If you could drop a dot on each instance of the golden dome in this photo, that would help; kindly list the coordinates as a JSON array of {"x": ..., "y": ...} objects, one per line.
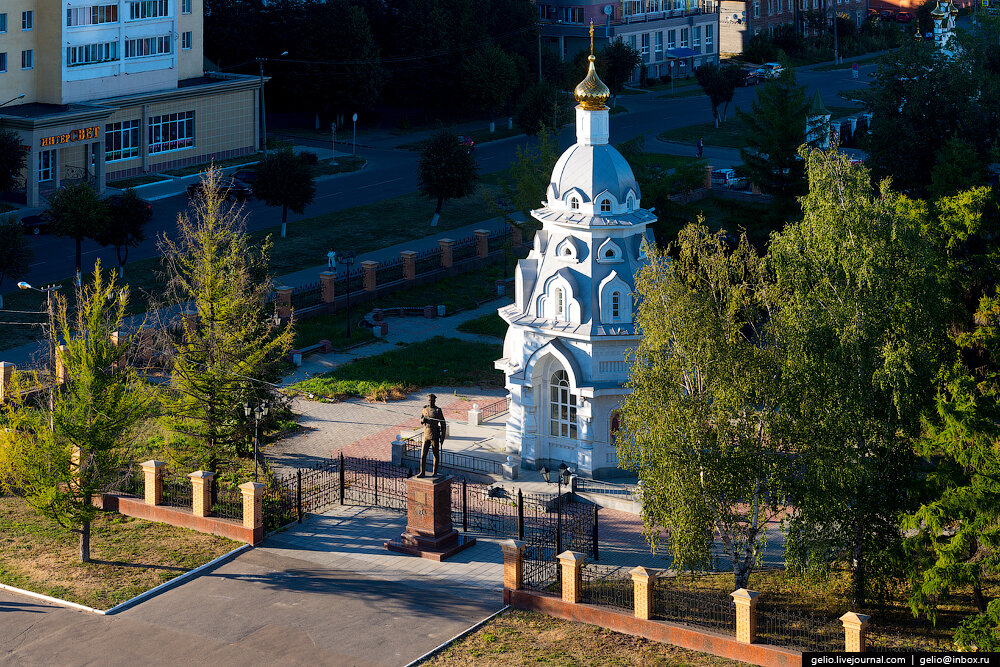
[
  {"x": 939, "y": 11},
  {"x": 591, "y": 93}
]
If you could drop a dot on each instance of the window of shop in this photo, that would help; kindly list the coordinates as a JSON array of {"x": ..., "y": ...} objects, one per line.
[
  {"x": 89, "y": 54},
  {"x": 121, "y": 140},
  {"x": 91, "y": 15},
  {"x": 27, "y": 20},
  {"x": 186, "y": 40},
  {"x": 148, "y": 9},
  {"x": 148, "y": 46},
  {"x": 562, "y": 406},
  {"x": 45, "y": 161},
  {"x": 185, "y": 6},
  {"x": 171, "y": 132},
  {"x": 27, "y": 59}
]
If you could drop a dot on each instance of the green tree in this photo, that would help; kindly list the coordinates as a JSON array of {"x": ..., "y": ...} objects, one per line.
[
  {"x": 61, "y": 469},
  {"x": 490, "y": 77},
  {"x": 861, "y": 327},
  {"x": 719, "y": 83},
  {"x": 287, "y": 180},
  {"x": 540, "y": 105},
  {"x": 16, "y": 256},
  {"x": 774, "y": 132},
  {"x": 705, "y": 395},
  {"x": 957, "y": 168},
  {"x": 12, "y": 157},
  {"x": 531, "y": 170},
  {"x": 618, "y": 60},
  {"x": 128, "y": 215},
  {"x": 446, "y": 170},
  {"x": 228, "y": 345},
  {"x": 75, "y": 211}
]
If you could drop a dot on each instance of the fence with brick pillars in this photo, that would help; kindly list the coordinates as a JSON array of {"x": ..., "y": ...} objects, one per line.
[
  {"x": 370, "y": 269},
  {"x": 61, "y": 353},
  {"x": 253, "y": 505},
  {"x": 708, "y": 177},
  {"x": 152, "y": 474},
  {"x": 447, "y": 252},
  {"x": 284, "y": 301},
  {"x": 571, "y": 563},
  {"x": 746, "y": 615},
  {"x": 513, "y": 564},
  {"x": 328, "y": 291},
  {"x": 482, "y": 243},
  {"x": 201, "y": 492},
  {"x": 515, "y": 236},
  {"x": 409, "y": 264},
  {"x": 643, "y": 580},
  {"x": 854, "y": 631}
]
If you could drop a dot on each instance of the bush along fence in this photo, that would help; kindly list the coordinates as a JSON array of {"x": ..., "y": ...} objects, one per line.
[{"x": 647, "y": 603}]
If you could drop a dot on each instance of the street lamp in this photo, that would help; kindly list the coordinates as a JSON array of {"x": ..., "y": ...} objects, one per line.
[
  {"x": 258, "y": 412},
  {"x": 13, "y": 99},
  {"x": 562, "y": 478},
  {"x": 48, "y": 291},
  {"x": 263, "y": 106},
  {"x": 349, "y": 260}
]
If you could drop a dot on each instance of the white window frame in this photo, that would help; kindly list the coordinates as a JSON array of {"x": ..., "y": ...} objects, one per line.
[
  {"x": 91, "y": 15},
  {"x": 574, "y": 203},
  {"x": 28, "y": 59},
  {"x": 696, "y": 37},
  {"x": 170, "y": 132},
  {"x": 709, "y": 37},
  {"x": 186, "y": 40},
  {"x": 185, "y": 6},
  {"x": 121, "y": 140},
  {"x": 46, "y": 165},
  {"x": 140, "y": 10},
  {"x": 3, "y": 22},
  {"x": 27, "y": 20},
  {"x": 562, "y": 406},
  {"x": 658, "y": 42},
  {"x": 89, "y": 54},
  {"x": 684, "y": 38},
  {"x": 644, "y": 50},
  {"x": 148, "y": 47},
  {"x": 671, "y": 39},
  {"x": 605, "y": 205},
  {"x": 3, "y": 61}
]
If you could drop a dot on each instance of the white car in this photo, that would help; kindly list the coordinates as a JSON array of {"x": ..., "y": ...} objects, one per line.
[
  {"x": 728, "y": 178},
  {"x": 770, "y": 70}
]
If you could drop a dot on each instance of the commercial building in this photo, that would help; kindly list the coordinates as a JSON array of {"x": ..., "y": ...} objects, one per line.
[
  {"x": 673, "y": 36},
  {"x": 739, "y": 20},
  {"x": 106, "y": 89}
]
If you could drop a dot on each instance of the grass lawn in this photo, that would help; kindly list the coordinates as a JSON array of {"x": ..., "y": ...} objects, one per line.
[
  {"x": 863, "y": 61},
  {"x": 332, "y": 327},
  {"x": 483, "y": 136},
  {"x": 521, "y": 638},
  {"x": 463, "y": 291},
  {"x": 486, "y": 325},
  {"x": 130, "y": 556},
  {"x": 618, "y": 108},
  {"x": 136, "y": 181},
  {"x": 681, "y": 92},
  {"x": 396, "y": 373},
  {"x": 730, "y": 134},
  {"x": 667, "y": 161},
  {"x": 344, "y": 164}
]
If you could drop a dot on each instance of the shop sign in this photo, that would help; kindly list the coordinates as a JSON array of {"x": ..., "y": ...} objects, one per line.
[{"x": 76, "y": 135}]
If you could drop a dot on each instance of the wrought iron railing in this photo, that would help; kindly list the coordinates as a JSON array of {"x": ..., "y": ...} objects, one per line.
[
  {"x": 703, "y": 608},
  {"x": 177, "y": 491},
  {"x": 607, "y": 585},
  {"x": 798, "y": 630},
  {"x": 496, "y": 408},
  {"x": 451, "y": 460},
  {"x": 883, "y": 640},
  {"x": 228, "y": 502},
  {"x": 586, "y": 485}
]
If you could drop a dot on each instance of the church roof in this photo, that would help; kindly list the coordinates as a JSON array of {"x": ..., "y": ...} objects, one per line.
[
  {"x": 593, "y": 169},
  {"x": 817, "y": 108},
  {"x": 638, "y": 216}
]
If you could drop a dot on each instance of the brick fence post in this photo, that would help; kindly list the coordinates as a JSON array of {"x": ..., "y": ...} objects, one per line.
[
  {"x": 854, "y": 631},
  {"x": 327, "y": 286},
  {"x": 482, "y": 243},
  {"x": 409, "y": 264},
  {"x": 746, "y": 615},
  {"x": 513, "y": 564},
  {"x": 643, "y": 580},
  {"x": 447, "y": 252},
  {"x": 61, "y": 364},
  {"x": 571, "y": 563},
  {"x": 515, "y": 236},
  {"x": 6, "y": 375},
  {"x": 708, "y": 177},
  {"x": 253, "y": 508},
  {"x": 152, "y": 474},
  {"x": 201, "y": 492},
  {"x": 369, "y": 267},
  {"x": 284, "y": 293}
]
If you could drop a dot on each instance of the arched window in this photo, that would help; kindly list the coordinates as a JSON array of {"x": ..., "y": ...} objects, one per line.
[
  {"x": 560, "y": 303},
  {"x": 605, "y": 206},
  {"x": 574, "y": 203},
  {"x": 616, "y": 305},
  {"x": 630, "y": 204},
  {"x": 562, "y": 406}
]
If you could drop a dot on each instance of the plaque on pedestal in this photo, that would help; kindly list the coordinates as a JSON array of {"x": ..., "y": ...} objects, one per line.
[{"x": 429, "y": 533}]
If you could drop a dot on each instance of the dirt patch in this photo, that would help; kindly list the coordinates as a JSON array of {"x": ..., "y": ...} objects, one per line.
[
  {"x": 520, "y": 638},
  {"x": 129, "y": 555}
]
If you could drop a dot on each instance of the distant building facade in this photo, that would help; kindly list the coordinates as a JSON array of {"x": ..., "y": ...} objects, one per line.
[
  {"x": 105, "y": 89},
  {"x": 739, "y": 20},
  {"x": 673, "y": 36}
]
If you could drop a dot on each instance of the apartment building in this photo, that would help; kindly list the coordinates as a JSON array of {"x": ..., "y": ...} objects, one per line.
[
  {"x": 673, "y": 36},
  {"x": 739, "y": 20},
  {"x": 107, "y": 89}
]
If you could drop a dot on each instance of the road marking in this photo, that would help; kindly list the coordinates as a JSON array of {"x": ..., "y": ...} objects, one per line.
[
  {"x": 332, "y": 194},
  {"x": 35, "y": 264},
  {"x": 391, "y": 180},
  {"x": 89, "y": 252}
]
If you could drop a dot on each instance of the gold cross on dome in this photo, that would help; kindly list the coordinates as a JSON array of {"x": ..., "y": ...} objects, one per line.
[{"x": 591, "y": 36}]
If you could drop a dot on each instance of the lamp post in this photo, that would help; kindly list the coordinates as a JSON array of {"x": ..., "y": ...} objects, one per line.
[
  {"x": 263, "y": 106},
  {"x": 333, "y": 133},
  {"x": 349, "y": 260},
  {"x": 562, "y": 478},
  {"x": 258, "y": 412},
  {"x": 48, "y": 291},
  {"x": 13, "y": 99},
  {"x": 354, "y": 147}
]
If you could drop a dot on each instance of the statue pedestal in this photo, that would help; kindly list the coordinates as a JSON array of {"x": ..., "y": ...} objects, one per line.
[{"x": 429, "y": 533}]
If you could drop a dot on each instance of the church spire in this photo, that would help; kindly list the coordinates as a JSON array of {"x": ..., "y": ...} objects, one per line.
[{"x": 592, "y": 112}]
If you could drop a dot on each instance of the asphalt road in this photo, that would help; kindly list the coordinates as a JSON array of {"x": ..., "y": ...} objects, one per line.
[{"x": 392, "y": 172}]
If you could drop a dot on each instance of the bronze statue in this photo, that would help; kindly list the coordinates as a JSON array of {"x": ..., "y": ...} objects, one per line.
[{"x": 434, "y": 432}]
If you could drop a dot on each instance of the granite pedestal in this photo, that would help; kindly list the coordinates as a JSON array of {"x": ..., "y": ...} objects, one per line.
[{"x": 429, "y": 532}]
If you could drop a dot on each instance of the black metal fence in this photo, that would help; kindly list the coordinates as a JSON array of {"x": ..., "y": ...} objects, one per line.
[
  {"x": 495, "y": 408},
  {"x": 798, "y": 630},
  {"x": 607, "y": 585},
  {"x": 177, "y": 491},
  {"x": 228, "y": 502},
  {"x": 585, "y": 485},
  {"x": 882, "y": 640},
  {"x": 708, "y": 609},
  {"x": 451, "y": 460}
]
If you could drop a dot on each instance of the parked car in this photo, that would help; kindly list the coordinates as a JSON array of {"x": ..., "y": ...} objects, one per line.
[
  {"x": 33, "y": 224},
  {"x": 749, "y": 77},
  {"x": 467, "y": 141},
  {"x": 228, "y": 187},
  {"x": 728, "y": 178},
  {"x": 770, "y": 70},
  {"x": 246, "y": 177},
  {"x": 888, "y": 15},
  {"x": 904, "y": 17}
]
